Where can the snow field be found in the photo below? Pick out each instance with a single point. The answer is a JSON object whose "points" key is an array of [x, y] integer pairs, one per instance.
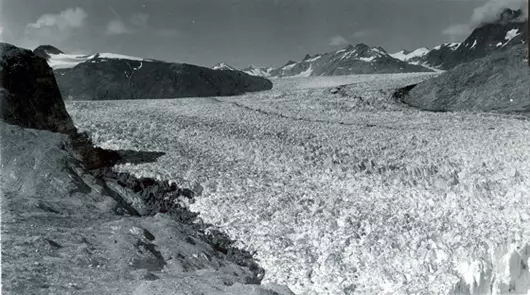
{"points": [[337, 194]]}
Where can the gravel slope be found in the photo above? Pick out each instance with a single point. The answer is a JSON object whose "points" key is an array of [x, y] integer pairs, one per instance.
{"points": [[337, 192]]}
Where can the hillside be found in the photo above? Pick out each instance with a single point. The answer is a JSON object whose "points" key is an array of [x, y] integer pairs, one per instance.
{"points": [[498, 82], [105, 76]]}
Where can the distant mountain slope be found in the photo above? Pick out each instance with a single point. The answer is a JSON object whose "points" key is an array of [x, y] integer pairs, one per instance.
{"points": [[223, 66], [507, 31], [405, 55], [258, 71], [358, 59], [498, 82], [114, 76]]}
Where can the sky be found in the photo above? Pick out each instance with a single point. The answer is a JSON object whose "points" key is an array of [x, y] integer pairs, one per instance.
{"points": [[239, 32]]}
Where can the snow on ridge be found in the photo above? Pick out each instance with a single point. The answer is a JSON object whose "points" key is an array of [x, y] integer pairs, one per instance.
{"points": [[67, 61], [117, 56], [288, 67], [367, 59], [401, 55], [511, 34], [313, 59], [474, 44]]}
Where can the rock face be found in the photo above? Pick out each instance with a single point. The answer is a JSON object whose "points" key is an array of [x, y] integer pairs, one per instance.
{"points": [[358, 59], [45, 51], [29, 96], [499, 82]]}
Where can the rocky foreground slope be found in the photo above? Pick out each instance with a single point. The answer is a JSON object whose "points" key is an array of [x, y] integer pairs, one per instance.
{"points": [[70, 230], [500, 82], [110, 76]]}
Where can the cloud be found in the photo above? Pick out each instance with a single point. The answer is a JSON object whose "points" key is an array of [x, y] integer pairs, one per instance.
{"points": [[67, 19], [488, 12], [139, 19], [54, 28], [337, 41], [1, 33], [116, 27], [363, 34], [136, 22], [456, 32], [491, 10]]}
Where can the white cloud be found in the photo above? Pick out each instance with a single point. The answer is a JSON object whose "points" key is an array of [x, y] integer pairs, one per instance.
{"points": [[1, 33], [64, 20], [54, 28], [492, 9], [116, 27], [456, 32], [488, 12], [139, 19], [337, 41]]}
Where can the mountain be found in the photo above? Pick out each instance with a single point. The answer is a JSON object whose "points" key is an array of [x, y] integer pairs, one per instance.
{"points": [[507, 31], [405, 55], [497, 82], [223, 66], [258, 71], [113, 76], [358, 59]]}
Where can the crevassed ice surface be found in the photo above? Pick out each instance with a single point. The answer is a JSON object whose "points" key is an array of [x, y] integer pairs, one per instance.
{"points": [[337, 193]]}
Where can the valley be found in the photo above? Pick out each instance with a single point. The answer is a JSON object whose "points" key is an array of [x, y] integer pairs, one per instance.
{"points": [[336, 192]]}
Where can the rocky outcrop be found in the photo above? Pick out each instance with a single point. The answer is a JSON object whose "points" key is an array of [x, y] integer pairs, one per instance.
{"points": [[499, 82], [45, 51], [29, 96], [69, 229]]}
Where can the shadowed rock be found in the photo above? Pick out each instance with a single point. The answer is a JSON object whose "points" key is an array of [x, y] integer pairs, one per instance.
{"points": [[29, 95]]}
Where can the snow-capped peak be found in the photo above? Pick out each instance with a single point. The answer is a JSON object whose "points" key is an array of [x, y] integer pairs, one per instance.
{"points": [[408, 55], [223, 66]]}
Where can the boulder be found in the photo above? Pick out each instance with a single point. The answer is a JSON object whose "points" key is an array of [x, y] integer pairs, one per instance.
{"points": [[29, 95]]}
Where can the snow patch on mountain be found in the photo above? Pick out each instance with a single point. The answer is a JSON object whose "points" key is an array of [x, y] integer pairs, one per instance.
{"points": [[223, 66], [314, 58], [67, 61], [406, 56], [511, 34], [452, 46], [258, 71]]}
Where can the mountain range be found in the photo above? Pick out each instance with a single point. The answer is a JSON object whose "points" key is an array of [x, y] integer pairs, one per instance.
{"points": [[112, 76], [499, 35]]}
